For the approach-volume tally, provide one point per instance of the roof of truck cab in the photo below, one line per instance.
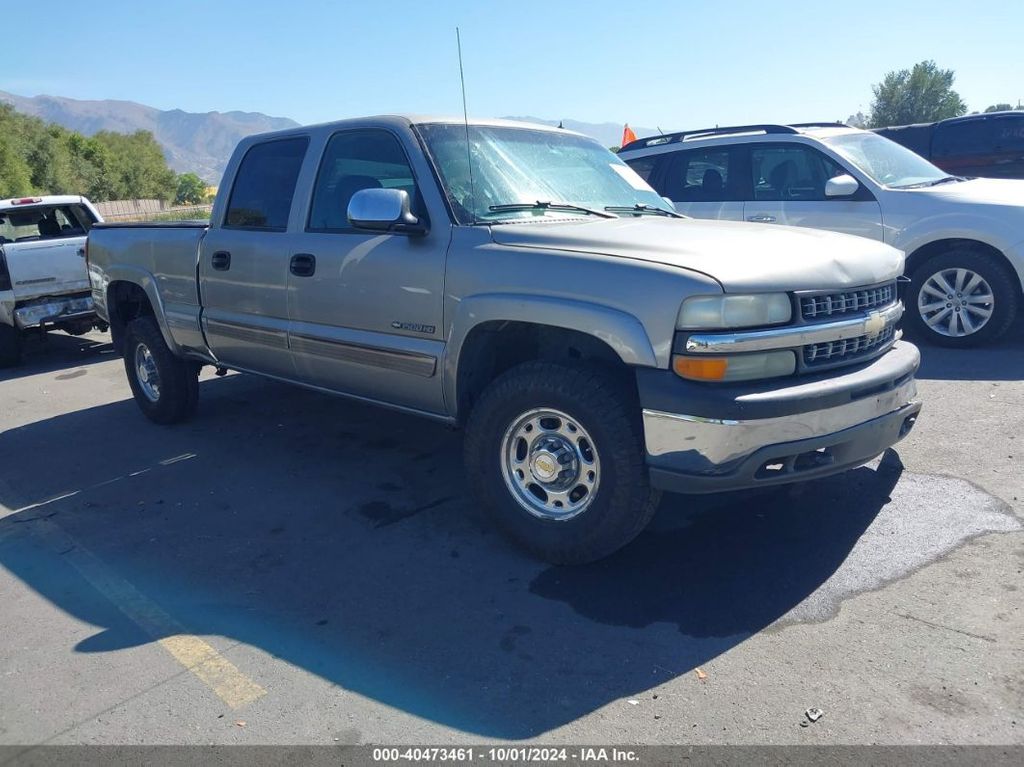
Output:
(8, 203)
(398, 120)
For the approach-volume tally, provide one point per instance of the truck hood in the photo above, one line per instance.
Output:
(742, 257)
(978, 191)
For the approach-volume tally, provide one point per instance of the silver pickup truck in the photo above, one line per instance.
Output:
(43, 281)
(527, 285)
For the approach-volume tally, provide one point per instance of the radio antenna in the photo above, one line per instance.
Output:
(465, 118)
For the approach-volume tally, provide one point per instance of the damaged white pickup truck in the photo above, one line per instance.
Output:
(43, 281)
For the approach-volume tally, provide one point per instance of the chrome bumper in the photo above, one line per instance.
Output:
(53, 310)
(699, 453)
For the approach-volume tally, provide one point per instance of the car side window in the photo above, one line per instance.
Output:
(790, 173)
(353, 161)
(261, 197)
(644, 166)
(704, 175)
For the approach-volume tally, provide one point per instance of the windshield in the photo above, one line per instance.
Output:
(885, 161)
(518, 167)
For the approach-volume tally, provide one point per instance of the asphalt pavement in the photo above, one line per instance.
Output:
(294, 568)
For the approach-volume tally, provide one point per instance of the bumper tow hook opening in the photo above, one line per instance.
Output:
(908, 424)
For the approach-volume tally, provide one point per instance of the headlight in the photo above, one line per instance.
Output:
(735, 367)
(733, 311)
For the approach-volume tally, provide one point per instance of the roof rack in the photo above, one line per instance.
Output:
(667, 138)
(830, 124)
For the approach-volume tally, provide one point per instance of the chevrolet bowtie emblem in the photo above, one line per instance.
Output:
(874, 324)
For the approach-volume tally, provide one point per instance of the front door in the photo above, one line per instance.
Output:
(365, 308)
(788, 187)
(243, 263)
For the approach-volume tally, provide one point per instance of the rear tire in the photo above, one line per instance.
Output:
(10, 346)
(165, 387)
(961, 298)
(555, 454)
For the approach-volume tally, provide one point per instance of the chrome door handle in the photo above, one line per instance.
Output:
(762, 219)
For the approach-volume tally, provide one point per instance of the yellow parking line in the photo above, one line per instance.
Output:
(209, 666)
(213, 669)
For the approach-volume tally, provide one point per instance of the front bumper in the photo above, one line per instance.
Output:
(53, 310)
(705, 438)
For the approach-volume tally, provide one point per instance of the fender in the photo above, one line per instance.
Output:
(990, 230)
(623, 332)
(145, 280)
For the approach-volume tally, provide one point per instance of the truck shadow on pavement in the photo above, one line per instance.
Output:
(339, 539)
(57, 351)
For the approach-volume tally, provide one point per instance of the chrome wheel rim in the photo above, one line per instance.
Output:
(146, 372)
(956, 302)
(550, 464)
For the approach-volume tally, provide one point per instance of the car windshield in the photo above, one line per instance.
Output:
(885, 161)
(520, 173)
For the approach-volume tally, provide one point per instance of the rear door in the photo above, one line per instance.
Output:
(243, 262)
(43, 247)
(706, 182)
(703, 183)
(365, 308)
(787, 186)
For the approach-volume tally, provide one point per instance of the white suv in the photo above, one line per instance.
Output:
(963, 238)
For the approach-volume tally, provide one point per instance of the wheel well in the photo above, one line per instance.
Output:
(126, 301)
(932, 249)
(491, 348)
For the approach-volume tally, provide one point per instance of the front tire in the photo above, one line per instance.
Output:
(10, 346)
(165, 387)
(555, 455)
(961, 298)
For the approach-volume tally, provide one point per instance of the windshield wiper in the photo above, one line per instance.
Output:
(640, 209)
(936, 182)
(547, 205)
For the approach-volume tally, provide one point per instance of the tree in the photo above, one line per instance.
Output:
(999, 108)
(922, 94)
(857, 121)
(191, 190)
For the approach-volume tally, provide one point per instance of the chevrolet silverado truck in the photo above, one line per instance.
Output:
(525, 284)
(43, 280)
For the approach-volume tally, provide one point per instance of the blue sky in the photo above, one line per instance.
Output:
(669, 64)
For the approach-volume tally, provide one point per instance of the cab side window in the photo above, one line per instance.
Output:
(261, 197)
(790, 173)
(704, 175)
(353, 161)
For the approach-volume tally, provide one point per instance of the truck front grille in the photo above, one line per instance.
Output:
(829, 305)
(846, 350)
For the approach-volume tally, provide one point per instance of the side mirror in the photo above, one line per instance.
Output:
(841, 186)
(383, 210)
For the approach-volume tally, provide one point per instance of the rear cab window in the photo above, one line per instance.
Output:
(44, 222)
(261, 197)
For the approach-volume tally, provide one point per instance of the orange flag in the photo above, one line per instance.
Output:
(627, 135)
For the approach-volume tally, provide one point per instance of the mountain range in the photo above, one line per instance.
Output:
(201, 143)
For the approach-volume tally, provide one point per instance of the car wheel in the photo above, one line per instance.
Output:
(165, 387)
(10, 346)
(961, 298)
(555, 455)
